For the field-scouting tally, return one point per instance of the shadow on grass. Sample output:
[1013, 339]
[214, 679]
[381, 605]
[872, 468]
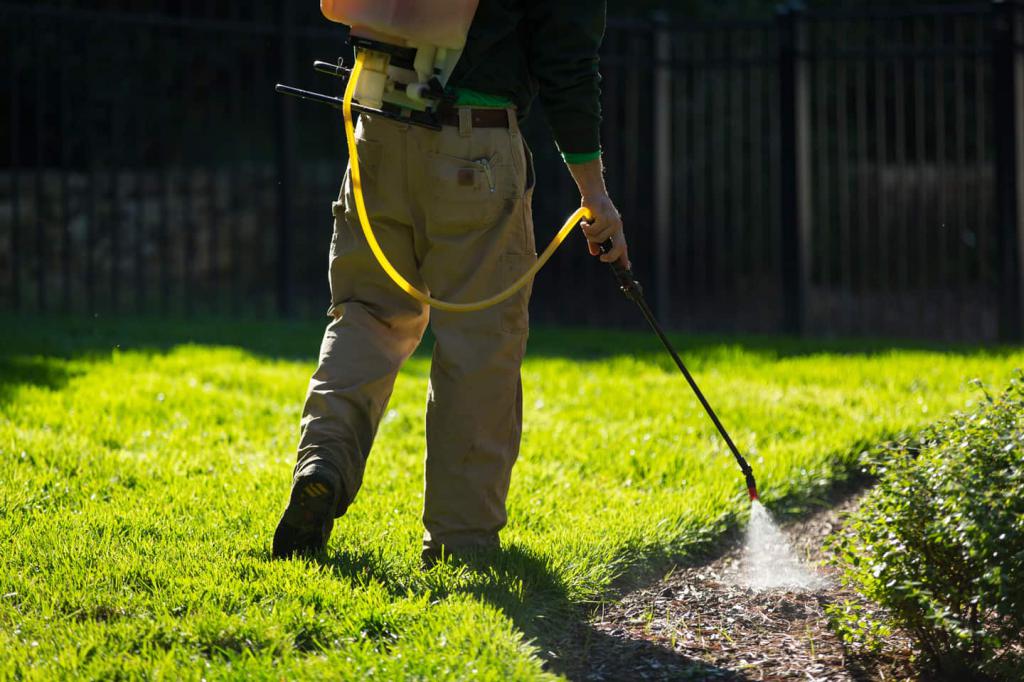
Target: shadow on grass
[17, 371]
[66, 337]
[528, 591]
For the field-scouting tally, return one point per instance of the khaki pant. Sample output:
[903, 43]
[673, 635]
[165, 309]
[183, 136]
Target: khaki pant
[451, 210]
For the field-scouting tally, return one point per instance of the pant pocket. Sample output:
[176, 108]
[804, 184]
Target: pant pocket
[371, 157]
[468, 195]
[342, 237]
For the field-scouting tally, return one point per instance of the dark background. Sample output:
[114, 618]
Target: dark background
[830, 168]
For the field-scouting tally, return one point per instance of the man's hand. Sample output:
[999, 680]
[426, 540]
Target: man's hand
[606, 222]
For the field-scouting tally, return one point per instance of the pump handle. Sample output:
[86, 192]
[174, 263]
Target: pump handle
[332, 69]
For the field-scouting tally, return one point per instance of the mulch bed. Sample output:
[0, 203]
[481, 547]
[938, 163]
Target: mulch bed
[698, 623]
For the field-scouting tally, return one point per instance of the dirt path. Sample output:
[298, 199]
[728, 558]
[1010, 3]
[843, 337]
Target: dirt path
[697, 624]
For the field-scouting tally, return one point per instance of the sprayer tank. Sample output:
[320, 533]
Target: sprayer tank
[416, 23]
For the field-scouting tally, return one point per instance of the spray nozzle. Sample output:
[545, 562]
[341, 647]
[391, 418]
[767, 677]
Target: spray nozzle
[751, 485]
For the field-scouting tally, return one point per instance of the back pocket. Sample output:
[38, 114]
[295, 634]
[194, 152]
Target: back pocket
[468, 194]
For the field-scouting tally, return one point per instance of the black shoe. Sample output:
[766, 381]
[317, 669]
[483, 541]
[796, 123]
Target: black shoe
[306, 523]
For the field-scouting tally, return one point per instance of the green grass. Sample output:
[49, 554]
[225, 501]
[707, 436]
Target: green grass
[143, 465]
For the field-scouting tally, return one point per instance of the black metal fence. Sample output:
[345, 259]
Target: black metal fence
[839, 173]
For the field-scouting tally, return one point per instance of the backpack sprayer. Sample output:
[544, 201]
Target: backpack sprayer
[405, 52]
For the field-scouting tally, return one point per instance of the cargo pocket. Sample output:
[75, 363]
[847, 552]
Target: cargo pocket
[342, 242]
[347, 230]
[370, 158]
[343, 239]
[515, 314]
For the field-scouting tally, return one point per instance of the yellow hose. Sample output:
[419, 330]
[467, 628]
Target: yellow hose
[371, 239]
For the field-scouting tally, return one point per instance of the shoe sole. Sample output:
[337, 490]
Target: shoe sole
[301, 529]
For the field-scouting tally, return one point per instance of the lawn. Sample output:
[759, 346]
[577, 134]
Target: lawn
[144, 463]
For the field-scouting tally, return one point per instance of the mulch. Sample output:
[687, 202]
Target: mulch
[699, 623]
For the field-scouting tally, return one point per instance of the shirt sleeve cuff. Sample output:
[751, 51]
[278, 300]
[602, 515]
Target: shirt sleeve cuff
[581, 157]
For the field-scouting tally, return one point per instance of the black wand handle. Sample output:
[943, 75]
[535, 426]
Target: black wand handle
[634, 292]
[624, 276]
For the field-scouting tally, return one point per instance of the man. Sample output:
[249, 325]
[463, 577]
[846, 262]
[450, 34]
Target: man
[452, 210]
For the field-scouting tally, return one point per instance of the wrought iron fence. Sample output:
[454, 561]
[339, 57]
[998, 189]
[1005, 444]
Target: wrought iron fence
[849, 172]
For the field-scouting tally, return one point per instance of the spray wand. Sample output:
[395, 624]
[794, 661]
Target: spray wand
[634, 292]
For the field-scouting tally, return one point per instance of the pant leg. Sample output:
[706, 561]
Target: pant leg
[479, 236]
[376, 326]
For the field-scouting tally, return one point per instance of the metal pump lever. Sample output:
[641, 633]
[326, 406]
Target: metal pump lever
[424, 119]
[338, 69]
[634, 292]
[336, 102]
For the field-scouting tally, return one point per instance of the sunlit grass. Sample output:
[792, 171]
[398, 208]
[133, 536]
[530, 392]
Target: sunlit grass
[143, 466]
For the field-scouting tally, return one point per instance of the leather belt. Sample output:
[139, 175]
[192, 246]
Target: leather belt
[481, 118]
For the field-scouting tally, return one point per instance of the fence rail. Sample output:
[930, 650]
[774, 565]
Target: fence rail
[849, 172]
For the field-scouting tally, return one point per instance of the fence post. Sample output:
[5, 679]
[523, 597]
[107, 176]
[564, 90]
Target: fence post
[1007, 108]
[284, 139]
[794, 167]
[663, 166]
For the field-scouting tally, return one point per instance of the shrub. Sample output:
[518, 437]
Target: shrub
[939, 543]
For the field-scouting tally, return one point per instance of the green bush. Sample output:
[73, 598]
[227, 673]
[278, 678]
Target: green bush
[939, 543]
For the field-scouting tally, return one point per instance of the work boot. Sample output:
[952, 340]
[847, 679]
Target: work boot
[306, 524]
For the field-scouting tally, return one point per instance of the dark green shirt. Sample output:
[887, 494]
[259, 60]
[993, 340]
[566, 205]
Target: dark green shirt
[519, 49]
